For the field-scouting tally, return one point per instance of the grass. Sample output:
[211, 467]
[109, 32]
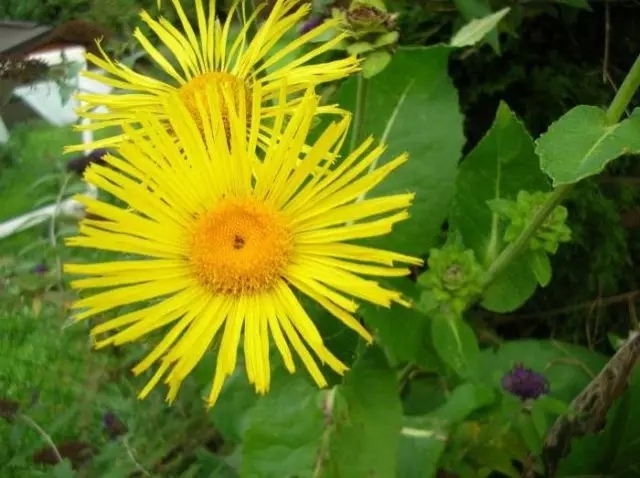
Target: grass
[47, 364]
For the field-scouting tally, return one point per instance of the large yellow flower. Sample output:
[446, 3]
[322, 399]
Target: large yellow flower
[208, 58]
[227, 234]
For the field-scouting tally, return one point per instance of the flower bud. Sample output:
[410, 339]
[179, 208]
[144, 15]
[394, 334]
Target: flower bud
[453, 278]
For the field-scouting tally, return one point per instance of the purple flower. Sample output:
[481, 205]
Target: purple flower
[79, 164]
[40, 269]
[113, 425]
[312, 23]
[524, 383]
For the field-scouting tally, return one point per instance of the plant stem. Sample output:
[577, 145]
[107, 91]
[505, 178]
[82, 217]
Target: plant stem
[29, 421]
[614, 113]
[358, 116]
[625, 94]
[515, 248]
[52, 230]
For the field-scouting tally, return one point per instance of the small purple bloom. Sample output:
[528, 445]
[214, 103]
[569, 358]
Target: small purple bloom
[312, 23]
[113, 425]
[79, 164]
[40, 269]
[524, 383]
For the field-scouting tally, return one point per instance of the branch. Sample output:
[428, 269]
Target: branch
[592, 405]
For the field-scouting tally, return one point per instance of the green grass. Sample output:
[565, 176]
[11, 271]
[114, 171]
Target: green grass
[43, 353]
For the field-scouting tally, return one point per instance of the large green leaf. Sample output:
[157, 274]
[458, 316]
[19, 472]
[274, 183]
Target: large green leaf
[456, 344]
[238, 396]
[582, 142]
[414, 99]
[511, 288]
[502, 164]
[463, 401]
[421, 445]
[404, 333]
[284, 430]
[367, 420]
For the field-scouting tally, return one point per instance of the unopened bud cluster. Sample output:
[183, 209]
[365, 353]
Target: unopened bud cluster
[453, 279]
[520, 214]
[373, 35]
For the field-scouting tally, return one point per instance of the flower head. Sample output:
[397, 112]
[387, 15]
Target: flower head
[453, 279]
[228, 235]
[524, 383]
[208, 58]
[40, 269]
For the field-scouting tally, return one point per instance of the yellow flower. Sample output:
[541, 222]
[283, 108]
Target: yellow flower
[208, 58]
[228, 234]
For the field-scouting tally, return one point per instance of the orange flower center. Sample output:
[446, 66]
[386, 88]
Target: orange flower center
[240, 247]
[228, 88]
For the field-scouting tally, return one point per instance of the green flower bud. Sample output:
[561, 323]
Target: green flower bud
[453, 279]
[521, 212]
[372, 34]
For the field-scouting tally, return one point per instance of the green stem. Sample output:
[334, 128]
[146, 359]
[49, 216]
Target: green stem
[625, 94]
[615, 111]
[510, 252]
[31, 422]
[358, 116]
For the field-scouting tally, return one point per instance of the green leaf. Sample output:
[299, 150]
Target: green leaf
[284, 429]
[541, 266]
[456, 344]
[552, 405]
[416, 103]
[502, 164]
[404, 333]
[385, 39]
[529, 434]
[230, 413]
[511, 288]
[63, 470]
[375, 62]
[582, 142]
[367, 420]
[212, 466]
[463, 401]
[472, 9]
[359, 47]
[477, 29]
[420, 449]
[539, 420]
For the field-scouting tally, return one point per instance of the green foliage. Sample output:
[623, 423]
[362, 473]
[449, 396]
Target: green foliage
[477, 29]
[367, 418]
[429, 395]
[583, 141]
[404, 333]
[418, 108]
[120, 16]
[456, 344]
[284, 430]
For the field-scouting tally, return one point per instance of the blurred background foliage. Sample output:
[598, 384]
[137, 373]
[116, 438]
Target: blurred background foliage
[552, 55]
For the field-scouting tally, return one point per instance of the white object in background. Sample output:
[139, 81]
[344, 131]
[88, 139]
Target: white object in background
[45, 99]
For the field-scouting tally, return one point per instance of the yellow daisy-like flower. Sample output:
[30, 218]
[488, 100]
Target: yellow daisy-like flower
[225, 245]
[209, 59]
